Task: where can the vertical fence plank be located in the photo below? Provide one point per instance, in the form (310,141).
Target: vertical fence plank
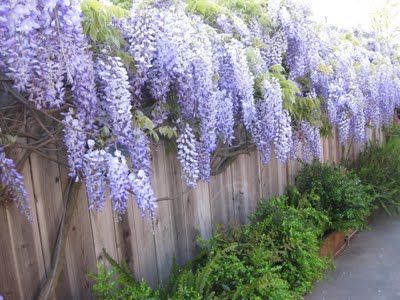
(191,230)
(181,218)
(246,185)
(144,248)
(25,239)
(80,255)
(49,202)
(202,209)
(333,147)
(10,287)
(103,231)
(198,215)
(130,234)
(293,168)
(221,198)
(381,136)
(48,195)
(269,179)
(282,178)
(164,226)
(326,149)
(123,235)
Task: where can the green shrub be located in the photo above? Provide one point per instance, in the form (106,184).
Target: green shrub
(117,283)
(343,197)
(379,166)
(236,264)
(294,233)
(273,257)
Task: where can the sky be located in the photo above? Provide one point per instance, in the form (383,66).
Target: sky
(352,13)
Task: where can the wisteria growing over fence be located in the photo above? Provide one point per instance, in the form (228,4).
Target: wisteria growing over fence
(12,180)
(207,72)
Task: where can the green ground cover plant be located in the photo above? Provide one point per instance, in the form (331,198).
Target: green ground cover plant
(342,196)
(379,167)
(274,256)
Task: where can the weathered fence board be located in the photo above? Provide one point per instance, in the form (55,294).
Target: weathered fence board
(80,255)
(10,286)
(147,246)
(25,240)
(223,212)
(246,186)
(164,230)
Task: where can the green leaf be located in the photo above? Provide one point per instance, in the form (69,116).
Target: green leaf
(167,132)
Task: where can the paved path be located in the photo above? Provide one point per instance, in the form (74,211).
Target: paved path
(369,268)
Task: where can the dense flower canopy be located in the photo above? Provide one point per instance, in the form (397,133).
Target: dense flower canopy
(205,71)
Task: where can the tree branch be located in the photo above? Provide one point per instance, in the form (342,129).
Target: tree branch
(58,257)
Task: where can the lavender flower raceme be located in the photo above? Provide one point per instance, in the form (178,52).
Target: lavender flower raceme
(311,141)
(94,172)
(212,73)
(13,184)
(188,156)
(75,141)
(114,92)
(272,128)
(118,180)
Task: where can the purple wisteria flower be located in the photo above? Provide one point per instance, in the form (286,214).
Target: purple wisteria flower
(273,125)
(188,156)
(310,140)
(211,79)
(12,181)
(94,172)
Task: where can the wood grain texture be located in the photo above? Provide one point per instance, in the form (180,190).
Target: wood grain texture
(80,256)
(103,231)
(144,244)
(10,286)
(25,239)
(147,246)
(221,199)
(48,195)
(179,209)
(325,149)
(164,229)
(269,179)
(246,185)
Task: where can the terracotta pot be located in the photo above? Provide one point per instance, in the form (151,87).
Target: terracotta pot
(334,243)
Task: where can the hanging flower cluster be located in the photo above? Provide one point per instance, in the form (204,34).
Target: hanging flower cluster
(211,76)
(307,142)
(273,126)
(12,182)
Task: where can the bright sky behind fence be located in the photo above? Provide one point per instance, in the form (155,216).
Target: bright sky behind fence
(356,13)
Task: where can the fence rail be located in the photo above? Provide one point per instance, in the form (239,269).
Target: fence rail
(148,247)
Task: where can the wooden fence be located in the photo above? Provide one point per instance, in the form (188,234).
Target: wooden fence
(148,247)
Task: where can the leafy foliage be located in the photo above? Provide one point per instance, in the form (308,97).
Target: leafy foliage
(97,23)
(273,257)
(342,195)
(379,167)
(294,233)
(117,283)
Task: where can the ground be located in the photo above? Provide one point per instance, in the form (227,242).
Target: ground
(369,268)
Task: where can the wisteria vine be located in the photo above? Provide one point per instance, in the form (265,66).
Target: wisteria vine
(203,71)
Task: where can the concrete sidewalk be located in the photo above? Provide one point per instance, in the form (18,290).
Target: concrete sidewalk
(369,268)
